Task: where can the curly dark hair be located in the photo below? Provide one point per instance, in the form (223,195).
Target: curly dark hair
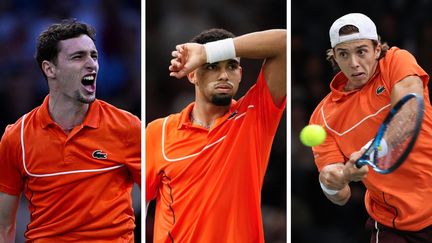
(212,35)
(47,47)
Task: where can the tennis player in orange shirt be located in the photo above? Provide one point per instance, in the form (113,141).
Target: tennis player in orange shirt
(75,157)
(372,78)
(205,165)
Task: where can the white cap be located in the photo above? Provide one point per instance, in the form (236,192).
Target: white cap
(367,28)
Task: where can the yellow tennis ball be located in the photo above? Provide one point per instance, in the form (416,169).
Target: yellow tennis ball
(312,135)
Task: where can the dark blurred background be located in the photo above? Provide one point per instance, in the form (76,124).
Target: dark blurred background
(23,87)
(402,23)
(313,218)
(169,23)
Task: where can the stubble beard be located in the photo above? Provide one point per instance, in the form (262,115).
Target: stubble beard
(85,99)
(221,100)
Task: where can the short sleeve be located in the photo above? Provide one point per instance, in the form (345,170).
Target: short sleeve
(265,115)
(269,114)
(11,181)
(401,64)
(328,152)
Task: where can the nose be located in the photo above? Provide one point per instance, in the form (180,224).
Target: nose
(91,63)
(223,74)
(354,61)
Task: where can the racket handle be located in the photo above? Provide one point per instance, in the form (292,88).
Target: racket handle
(360,163)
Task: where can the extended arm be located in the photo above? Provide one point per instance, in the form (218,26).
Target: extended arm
(332,177)
(269,45)
(8,209)
(338,176)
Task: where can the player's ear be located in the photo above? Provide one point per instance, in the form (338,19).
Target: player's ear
(192,77)
(378,50)
(48,68)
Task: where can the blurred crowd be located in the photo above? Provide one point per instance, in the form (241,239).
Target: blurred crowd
(402,23)
(23,87)
(169,23)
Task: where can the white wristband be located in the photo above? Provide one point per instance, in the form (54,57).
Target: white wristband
(220,50)
(327,190)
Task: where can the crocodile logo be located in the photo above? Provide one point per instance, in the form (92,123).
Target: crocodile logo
(380,89)
(98,154)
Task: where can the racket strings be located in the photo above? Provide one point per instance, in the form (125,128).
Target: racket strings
(398,134)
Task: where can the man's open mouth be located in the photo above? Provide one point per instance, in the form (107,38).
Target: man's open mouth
(357,74)
(89,82)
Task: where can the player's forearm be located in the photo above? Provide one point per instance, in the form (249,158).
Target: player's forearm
(7,233)
(335,184)
(8,208)
(271,46)
(262,45)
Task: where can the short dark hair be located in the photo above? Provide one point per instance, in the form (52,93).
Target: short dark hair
(210,35)
(47,47)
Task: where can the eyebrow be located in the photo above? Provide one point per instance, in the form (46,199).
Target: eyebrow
(231,61)
(357,47)
(82,52)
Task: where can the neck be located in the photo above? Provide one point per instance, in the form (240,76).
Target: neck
(205,115)
(349,87)
(66,113)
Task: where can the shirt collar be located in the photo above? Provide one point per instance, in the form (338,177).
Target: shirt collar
(91,119)
(337,85)
(340,80)
(185,121)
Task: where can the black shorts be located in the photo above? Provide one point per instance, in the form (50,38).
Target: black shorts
(390,235)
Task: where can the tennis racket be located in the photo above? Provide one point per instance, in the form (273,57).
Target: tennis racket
(396,135)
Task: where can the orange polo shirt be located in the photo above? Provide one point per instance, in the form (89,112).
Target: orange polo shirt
(207,183)
(402,199)
(78,185)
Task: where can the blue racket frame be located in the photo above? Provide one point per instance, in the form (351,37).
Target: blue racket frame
(373,148)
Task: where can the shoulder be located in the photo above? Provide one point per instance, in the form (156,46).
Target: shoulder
(171,121)
(154,130)
(115,112)
(156,125)
(116,117)
(398,64)
(12,132)
(396,54)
